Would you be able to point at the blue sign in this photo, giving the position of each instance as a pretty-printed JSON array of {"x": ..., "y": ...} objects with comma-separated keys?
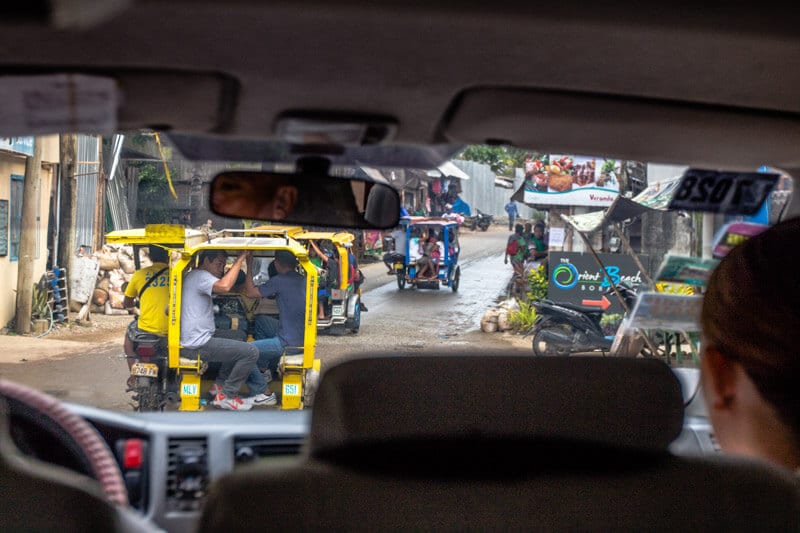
[{"x": 22, "y": 145}]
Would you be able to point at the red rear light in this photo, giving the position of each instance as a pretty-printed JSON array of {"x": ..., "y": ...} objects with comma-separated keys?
[
  {"x": 145, "y": 350},
  {"x": 132, "y": 455}
]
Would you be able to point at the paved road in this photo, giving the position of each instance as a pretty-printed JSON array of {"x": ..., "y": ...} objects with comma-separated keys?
[{"x": 397, "y": 322}]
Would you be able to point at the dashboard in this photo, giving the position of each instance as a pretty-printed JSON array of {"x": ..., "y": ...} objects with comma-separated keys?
[{"x": 168, "y": 460}]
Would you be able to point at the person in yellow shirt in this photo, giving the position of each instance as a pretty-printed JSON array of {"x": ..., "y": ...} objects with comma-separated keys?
[{"x": 150, "y": 286}]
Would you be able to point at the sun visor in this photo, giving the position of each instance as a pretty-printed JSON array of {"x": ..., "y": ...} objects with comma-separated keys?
[
  {"x": 185, "y": 101},
  {"x": 102, "y": 101},
  {"x": 627, "y": 128}
]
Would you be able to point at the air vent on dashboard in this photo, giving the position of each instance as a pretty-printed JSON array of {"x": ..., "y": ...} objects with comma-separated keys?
[
  {"x": 248, "y": 449},
  {"x": 187, "y": 473},
  {"x": 714, "y": 442}
]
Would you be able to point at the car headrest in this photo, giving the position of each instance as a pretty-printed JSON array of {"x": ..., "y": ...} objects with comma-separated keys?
[{"x": 629, "y": 403}]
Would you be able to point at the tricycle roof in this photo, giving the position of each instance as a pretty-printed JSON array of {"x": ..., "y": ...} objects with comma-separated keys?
[
  {"x": 429, "y": 221},
  {"x": 252, "y": 243},
  {"x": 157, "y": 234}
]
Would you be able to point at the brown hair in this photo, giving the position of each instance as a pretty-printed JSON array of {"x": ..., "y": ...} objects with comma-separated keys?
[{"x": 751, "y": 314}]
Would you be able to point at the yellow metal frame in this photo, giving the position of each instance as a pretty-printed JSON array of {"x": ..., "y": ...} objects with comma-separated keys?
[
  {"x": 157, "y": 234},
  {"x": 339, "y": 240},
  {"x": 255, "y": 240}
]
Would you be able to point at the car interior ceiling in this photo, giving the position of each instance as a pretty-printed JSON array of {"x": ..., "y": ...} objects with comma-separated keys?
[
  {"x": 714, "y": 70},
  {"x": 676, "y": 83}
]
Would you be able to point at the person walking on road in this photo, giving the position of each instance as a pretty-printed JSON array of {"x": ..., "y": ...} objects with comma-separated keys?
[
  {"x": 513, "y": 213},
  {"x": 516, "y": 249}
]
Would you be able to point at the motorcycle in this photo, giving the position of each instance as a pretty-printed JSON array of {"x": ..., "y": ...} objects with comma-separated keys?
[
  {"x": 483, "y": 220},
  {"x": 563, "y": 328},
  {"x": 149, "y": 374}
]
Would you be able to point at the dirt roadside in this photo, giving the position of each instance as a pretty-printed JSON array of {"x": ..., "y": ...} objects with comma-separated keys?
[{"x": 105, "y": 332}]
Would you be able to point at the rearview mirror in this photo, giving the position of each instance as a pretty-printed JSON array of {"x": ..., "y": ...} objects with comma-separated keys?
[{"x": 305, "y": 198}]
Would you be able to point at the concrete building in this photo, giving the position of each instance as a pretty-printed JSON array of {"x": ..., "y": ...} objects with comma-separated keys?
[{"x": 14, "y": 152}]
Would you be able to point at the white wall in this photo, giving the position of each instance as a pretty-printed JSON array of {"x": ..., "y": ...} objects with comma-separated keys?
[{"x": 481, "y": 193}]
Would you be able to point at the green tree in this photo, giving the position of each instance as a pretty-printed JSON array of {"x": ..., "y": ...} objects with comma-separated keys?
[
  {"x": 501, "y": 159},
  {"x": 155, "y": 202}
]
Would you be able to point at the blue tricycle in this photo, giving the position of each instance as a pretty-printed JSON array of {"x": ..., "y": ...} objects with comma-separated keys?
[{"x": 430, "y": 257}]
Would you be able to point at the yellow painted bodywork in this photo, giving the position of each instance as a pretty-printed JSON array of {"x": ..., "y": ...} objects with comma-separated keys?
[
  {"x": 339, "y": 240},
  {"x": 157, "y": 234},
  {"x": 260, "y": 242}
]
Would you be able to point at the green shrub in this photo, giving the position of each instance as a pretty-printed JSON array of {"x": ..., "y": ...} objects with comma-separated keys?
[
  {"x": 521, "y": 320},
  {"x": 610, "y": 323},
  {"x": 537, "y": 284}
]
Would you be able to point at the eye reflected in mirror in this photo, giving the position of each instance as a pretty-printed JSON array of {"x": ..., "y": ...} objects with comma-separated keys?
[{"x": 305, "y": 198}]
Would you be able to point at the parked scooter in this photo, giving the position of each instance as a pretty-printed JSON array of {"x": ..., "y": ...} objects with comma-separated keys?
[
  {"x": 483, "y": 220},
  {"x": 480, "y": 220},
  {"x": 563, "y": 328}
]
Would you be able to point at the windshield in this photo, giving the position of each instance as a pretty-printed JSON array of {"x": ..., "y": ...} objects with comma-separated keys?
[{"x": 125, "y": 274}]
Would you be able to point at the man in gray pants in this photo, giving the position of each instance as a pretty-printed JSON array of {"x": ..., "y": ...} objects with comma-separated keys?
[{"x": 197, "y": 327}]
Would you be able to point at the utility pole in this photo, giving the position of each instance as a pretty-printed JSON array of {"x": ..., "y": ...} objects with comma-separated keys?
[
  {"x": 100, "y": 200},
  {"x": 68, "y": 153},
  {"x": 27, "y": 242}
]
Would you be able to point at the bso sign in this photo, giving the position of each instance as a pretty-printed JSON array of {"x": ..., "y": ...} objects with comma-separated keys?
[{"x": 730, "y": 193}]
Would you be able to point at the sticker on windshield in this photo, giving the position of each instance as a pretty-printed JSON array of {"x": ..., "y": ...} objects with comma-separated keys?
[
  {"x": 730, "y": 193},
  {"x": 675, "y": 312},
  {"x": 733, "y": 234},
  {"x": 36, "y": 105},
  {"x": 686, "y": 270}
]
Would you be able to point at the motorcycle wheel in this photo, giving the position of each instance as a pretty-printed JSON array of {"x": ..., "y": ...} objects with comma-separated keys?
[
  {"x": 355, "y": 323},
  {"x": 147, "y": 396},
  {"x": 401, "y": 280},
  {"x": 456, "y": 280},
  {"x": 544, "y": 348},
  {"x": 484, "y": 226}
]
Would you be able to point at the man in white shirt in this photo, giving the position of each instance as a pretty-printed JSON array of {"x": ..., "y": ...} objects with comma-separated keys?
[
  {"x": 397, "y": 255},
  {"x": 198, "y": 328}
]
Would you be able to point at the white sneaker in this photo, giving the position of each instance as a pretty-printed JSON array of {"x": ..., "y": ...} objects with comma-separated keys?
[
  {"x": 231, "y": 404},
  {"x": 262, "y": 399}
]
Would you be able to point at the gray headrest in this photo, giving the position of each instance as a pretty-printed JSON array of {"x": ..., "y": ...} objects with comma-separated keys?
[{"x": 632, "y": 403}]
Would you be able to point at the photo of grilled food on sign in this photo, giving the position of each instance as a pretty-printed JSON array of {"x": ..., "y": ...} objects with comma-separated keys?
[{"x": 560, "y": 174}]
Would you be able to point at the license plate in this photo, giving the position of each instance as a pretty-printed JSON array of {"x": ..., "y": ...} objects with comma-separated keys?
[
  {"x": 398, "y": 266},
  {"x": 337, "y": 310},
  {"x": 146, "y": 370},
  {"x": 337, "y": 294}
]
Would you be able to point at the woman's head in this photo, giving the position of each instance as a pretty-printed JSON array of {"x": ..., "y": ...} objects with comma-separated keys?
[{"x": 750, "y": 316}]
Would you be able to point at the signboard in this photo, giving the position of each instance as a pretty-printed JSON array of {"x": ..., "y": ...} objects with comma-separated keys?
[
  {"x": 730, "y": 193},
  {"x": 655, "y": 310},
  {"x": 686, "y": 270},
  {"x": 576, "y": 278},
  {"x": 732, "y": 234},
  {"x": 571, "y": 180},
  {"x": 22, "y": 145},
  {"x": 3, "y": 228},
  {"x": 556, "y": 237}
]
